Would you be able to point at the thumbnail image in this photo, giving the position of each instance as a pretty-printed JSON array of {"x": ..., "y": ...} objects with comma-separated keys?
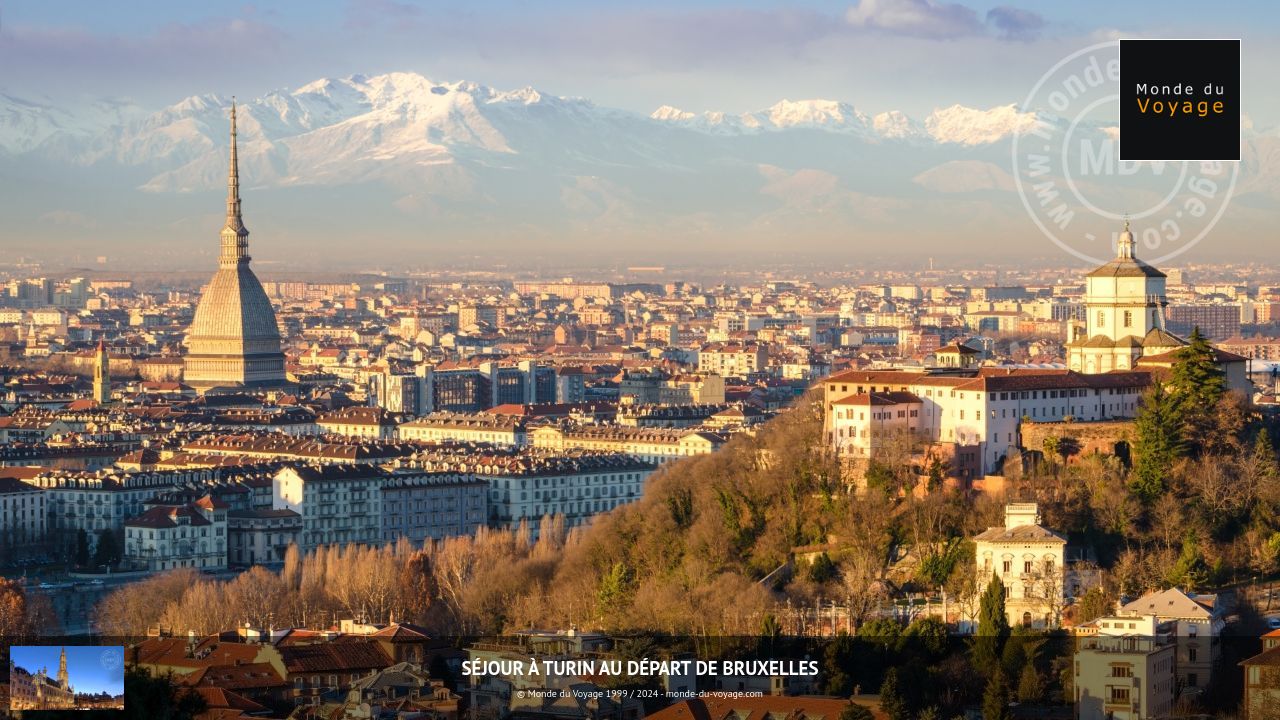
[{"x": 50, "y": 677}]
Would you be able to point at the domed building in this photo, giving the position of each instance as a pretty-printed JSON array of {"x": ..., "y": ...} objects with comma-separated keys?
[
  {"x": 1124, "y": 315},
  {"x": 234, "y": 341}
]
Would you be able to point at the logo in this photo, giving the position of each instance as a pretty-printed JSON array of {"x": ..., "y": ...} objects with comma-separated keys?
[
  {"x": 1071, "y": 180},
  {"x": 111, "y": 658}
]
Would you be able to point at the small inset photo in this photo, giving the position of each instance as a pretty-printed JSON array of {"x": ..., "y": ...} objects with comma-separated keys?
[{"x": 66, "y": 677}]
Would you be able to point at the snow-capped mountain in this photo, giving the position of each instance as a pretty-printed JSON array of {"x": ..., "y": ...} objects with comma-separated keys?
[{"x": 464, "y": 158}]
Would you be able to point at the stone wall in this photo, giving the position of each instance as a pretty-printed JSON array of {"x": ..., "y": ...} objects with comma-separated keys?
[{"x": 1111, "y": 437}]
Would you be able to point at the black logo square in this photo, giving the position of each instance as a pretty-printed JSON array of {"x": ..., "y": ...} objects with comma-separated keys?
[{"x": 1179, "y": 99}]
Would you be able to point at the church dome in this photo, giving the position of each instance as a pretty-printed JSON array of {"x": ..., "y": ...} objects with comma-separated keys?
[
  {"x": 234, "y": 308},
  {"x": 1125, "y": 263}
]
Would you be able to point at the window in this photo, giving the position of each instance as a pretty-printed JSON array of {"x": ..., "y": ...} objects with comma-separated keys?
[
  {"x": 1102, "y": 317},
  {"x": 1008, "y": 565},
  {"x": 1192, "y": 654},
  {"x": 1128, "y": 318},
  {"x": 1122, "y": 671},
  {"x": 1119, "y": 694}
]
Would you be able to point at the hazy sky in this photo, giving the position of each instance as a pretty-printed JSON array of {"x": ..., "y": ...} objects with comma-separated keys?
[{"x": 910, "y": 55}]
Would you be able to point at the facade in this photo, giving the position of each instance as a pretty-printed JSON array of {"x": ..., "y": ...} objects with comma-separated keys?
[
  {"x": 506, "y": 430},
  {"x": 359, "y": 422},
  {"x": 190, "y": 535},
  {"x": 260, "y": 535},
  {"x": 1029, "y": 560},
  {"x": 38, "y": 691},
  {"x": 23, "y": 514},
  {"x": 733, "y": 359},
  {"x": 339, "y": 504},
  {"x": 234, "y": 340},
  {"x": 1262, "y": 680},
  {"x": 1197, "y": 623},
  {"x": 1124, "y": 314},
  {"x": 976, "y": 414},
  {"x": 1125, "y": 671},
  {"x": 576, "y": 487},
  {"x": 423, "y": 506},
  {"x": 649, "y": 444}
]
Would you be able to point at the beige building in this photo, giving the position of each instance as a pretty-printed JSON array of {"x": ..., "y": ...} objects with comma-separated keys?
[
  {"x": 1197, "y": 622},
  {"x": 1029, "y": 560},
  {"x": 508, "y": 430},
  {"x": 1124, "y": 314},
  {"x": 192, "y": 535},
  {"x": 1262, "y": 680},
  {"x": 1125, "y": 671},
  {"x": 649, "y": 444}
]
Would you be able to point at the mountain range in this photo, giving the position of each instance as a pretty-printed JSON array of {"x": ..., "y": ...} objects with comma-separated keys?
[{"x": 413, "y": 165}]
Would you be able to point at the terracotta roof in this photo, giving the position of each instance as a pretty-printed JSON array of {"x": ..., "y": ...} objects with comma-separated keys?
[{"x": 327, "y": 657}]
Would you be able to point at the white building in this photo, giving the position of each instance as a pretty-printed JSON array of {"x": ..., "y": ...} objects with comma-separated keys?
[
  {"x": 732, "y": 359},
  {"x": 655, "y": 445},
  {"x": 1125, "y": 671},
  {"x": 172, "y": 536},
  {"x": 975, "y": 413},
  {"x": 23, "y": 516},
  {"x": 1028, "y": 559},
  {"x": 507, "y": 430},
  {"x": 578, "y": 486},
  {"x": 1196, "y": 621},
  {"x": 339, "y": 504},
  {"x": 423, "y": 506}
]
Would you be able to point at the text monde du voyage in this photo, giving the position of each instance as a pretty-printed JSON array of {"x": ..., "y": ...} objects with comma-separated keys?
[
  {"x": 637, "y": 668},
  {"x": 1179, "y": 99}
]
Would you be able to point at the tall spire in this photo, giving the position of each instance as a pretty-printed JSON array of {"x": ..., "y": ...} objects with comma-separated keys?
[{"x": 235, "y": 236}]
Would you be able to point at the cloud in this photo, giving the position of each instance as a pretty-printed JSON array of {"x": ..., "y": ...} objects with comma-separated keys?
[
  {"x": 1013, "y": 23},
  {"x": 917, "y": 18}
]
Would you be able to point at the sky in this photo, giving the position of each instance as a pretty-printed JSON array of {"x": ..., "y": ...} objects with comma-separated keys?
[
  {"x": 909, "y": 55},
  {"x": 913, "y": 56},
  {"x": 86, "y": 670}
]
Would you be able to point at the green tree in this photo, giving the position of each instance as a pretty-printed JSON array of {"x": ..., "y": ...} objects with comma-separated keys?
[
  {"x": 993, "y": 626},
  {"x": 1095, "y": 603},
  {"x": 82, "y": 548},
  {"x": 108, "y": 551},
  {"x": 1030, "y": 687},
  {"x": 1051, "y": 448},
  {"x": 995, "y": 699},
  {"x": 1190, "y": 571},
  {"x": 615, "y": 588},
  {"x": 893, "y": 699},
  {"x": 854, "y": 711},
  {"x": 1198, "y": 384},
  {"x": 1159, "y": 427},
  {"x": 822, "y": 570}
]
